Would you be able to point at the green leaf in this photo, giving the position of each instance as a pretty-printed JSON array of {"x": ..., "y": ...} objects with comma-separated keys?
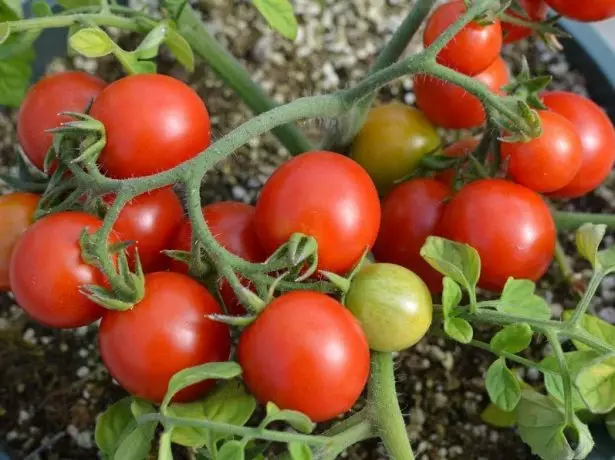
[
  {"x": 280, "y": 16},
  {"x": 518, "y": 298},
  {"x": 502, "y": 385},
  {"x": 609, "y": 422},
  {"x": 180, "y": 48},
  {"x": 581, "y": 437},
  {"x": 11, "y": 10},
  {"x": 458, "y": 329},
  {"x": 92, "y": 43},
  {"x": 595, "y": 326},
  {"x": 164, "y": 449},
  {"x": 15, "y": 74},
  {"x": 451, "y": 296},
  {"x": 513, "y": 338},
  {"x": 5, "y": 32},
  {"x": 596, "y": 383},
  {"x": 458, "y": 261},
  {"x": 494, "y": 416},
  {"x": 231, "y": 450},
  {"x": 297, "y": 420},
  {"x": 141, "y": 407},
  {"x": 137, "y": 443},
  {"x": 70, "y": 4},
  {"x": 299, "y": 451},
  {"x": 148, "y": 48},
  {"x": 111, "y": 424},
  {"x": 41, "y": 8},
  {"x": 196, "y": 374},
  {"x": 607, "y": 260},
  {"x": 588, "y": 238}
]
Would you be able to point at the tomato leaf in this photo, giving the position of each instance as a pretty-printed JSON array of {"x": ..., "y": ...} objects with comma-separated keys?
[
  {"x": 299, "y": 451},
  {"x": 148, "y": 48},
  {"x": 595, "y": 326},
  {"x": 576, "y": 360},
  {"x": 458, "y": 329},
  {"x": 180, "y": 48},
  {"x": 92, "y": 43},
  {"x": 495, "y": 416},
  {"x": 41, "y": 8},
  {"x": 15, "y": 74},
  {"x": 231, "y": 450},
  {"x": 164, "y": 449},
  {"x": 596, "y": 383},
  {"x": 5, "y": 32},
  {"x": 513, "y": 338},
  {"x": 137, "y": 443},
  {"x": 588, "y": 238},
  {"x": 297, "y": 420},
  {"x": 502, "y": 385},
  {"x": 518, "y": 298},
  {"x": 110, "y": 425},
  {"x": 451, "y": 296},
  {"x": 70, "y": 4},
  {"x": 609, "y": 422},
  {"x": 280, "y": 16},
  {"x": 11, "y": 10},
  {"x": 459, "y": 262}
]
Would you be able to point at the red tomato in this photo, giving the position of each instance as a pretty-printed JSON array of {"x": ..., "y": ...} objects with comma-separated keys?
[
  {"x": 549, "y": 161},
  {"x": 305, "y": 352},
  {"x": 61, "y": 92},
  {"x": 153, "y": 123},
  {"x": 461, "y": 149},
  {"x": 597, "y": 138},
  {"x": 169, "y": 330},
  {"x": 150, "y": 220},
  {"x": 533, "y": 10},
  {"x": 586, "y": 10},
  {"x": 47, "y": 271},
  {"x": 509, "y": 225},
  {"x": 409, "y": 215},
  {"x": 327, "y": 196},
  {"x": 16, "y": 214},
  {"x": 450, "y": 106},
  {"x": 473, "y": 49}
]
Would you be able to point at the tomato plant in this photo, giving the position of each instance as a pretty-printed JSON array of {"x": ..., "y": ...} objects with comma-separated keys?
[
  {"x": 590, "y": 10},
  {"x": 532, "y": 10},
  {"x": 459, "y": 149}
]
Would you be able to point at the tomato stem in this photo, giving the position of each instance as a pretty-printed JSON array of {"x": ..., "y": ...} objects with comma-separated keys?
[
  {"x": 589, "y": 294},
  {"x": 572, "y": 220},
  {"x": 512, "y": 357},
  {"x": 553, "y": 338}
]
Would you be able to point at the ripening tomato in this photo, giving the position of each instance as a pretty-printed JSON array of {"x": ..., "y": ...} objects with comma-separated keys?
[
  {"x": 509, "y": 225},
  {"x": 392, "y": 142},
  {"x": 47, "y": 271},
  {"x": 586, "y": 10},
  {"x": 327, "y": 196},
  {"x": 61, "y": 92},
  {"x": 473, "y": 49},
  {"x": 305, "y": 352},
  {"x": 410, "y": 214},
  {"x": 459, "y": 149},
  {"x": 531, "y": 10},
  {"x": 16, "y": 215},
  {"x": 168, "y": 331},
  {"x": 450, "y": 106},
  {"x": 392, "y": 304},
  {"x": 153, "y": 123},
  {"x": 547, "y": 162},
  {"x": 597, "y": 138},
  {"x": 150, "y": 220}
]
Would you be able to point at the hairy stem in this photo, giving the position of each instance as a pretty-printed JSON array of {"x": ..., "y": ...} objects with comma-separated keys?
[
  {"x": 553, "y": 338},
  {"x": 344, "y": 439},
  {"x": 573, "y": 220},
  {"x": 588, "y": 295},
  {"x": 512, "y": 357}
]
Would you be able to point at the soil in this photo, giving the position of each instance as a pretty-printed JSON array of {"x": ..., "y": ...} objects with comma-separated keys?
[{"x": 53, "y": 384}]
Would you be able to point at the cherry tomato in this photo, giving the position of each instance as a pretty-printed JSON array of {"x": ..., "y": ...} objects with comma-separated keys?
[
  {"x": 409, "y": 215},
  {"x": 509, "y": 225},
  {"x": 327, "y": 196},
  {"x": 549, "y": 161},
  {"x": 305, "y": 352},
  {"x": 473, "y": 49},
  {"x": 168, "y": 331},
  {"x": 47, "y": 271},
  {"x": 532, "y": 10},
  {"x": 392, "y": 142},
  {"x": 16, "y": 214},
  {"x": 597, "y": 138},
  {"x": 461, "y": 149},
  {"x": 586, "y": 11},
  {"x": 150, "y": 220},
  {"x": 153, "y": 123},
  {"x": 61, "y": 92},
  {"x": 392, "y": 304},
  {"x": 450, "y": 106}
]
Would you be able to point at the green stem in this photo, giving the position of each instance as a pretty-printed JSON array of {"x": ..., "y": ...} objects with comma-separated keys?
[
  {"x": 573, "y": 220},
  {"x": 562, "y": 261},
  {"x": 512, "y": 357},
  {"x": 588, "y": 295},
  {"x": 341, "y": 441},
  {"x": 552, "y": 336},
  {"x": 60, "y": 21},
  {"x": 348, "y": 423},
  {"x": 478, "y": 166}
]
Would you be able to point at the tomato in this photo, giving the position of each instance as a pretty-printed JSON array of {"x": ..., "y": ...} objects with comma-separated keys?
[
  {"x": 392, "y": 304},
  {"x": 461, "y": 149},
  {"x": 150, "y": 220},
  {"x": 61, "y": 92},
  {"x": 327, "y": 196},
  {"x": 392, "y": 142},
  {"x": 153, "y": 123},
  {"x": 450, "y": 106},
  {"x": 16, "y": 215},
  {"x": 232, "y": 223},
  {"x": 46, "y": 271},
  {"x": 473, "y": 49},
  {"x": 410, "y": 214},
  {"x": 509, "y": 225},
  {"x": 597, "y": 138},
  {"x": 586, "y": 11},
  {"x": 305, "y": 352},
  {"x": 549, "y": 161},
  {"x": 532, "y": 10}
]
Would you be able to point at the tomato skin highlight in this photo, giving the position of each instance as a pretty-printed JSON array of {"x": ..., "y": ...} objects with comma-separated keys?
[
  {"x": 450, "y": 106},
  {"x": 410, "y": 214},
  {"x": 586, "y": 11},
  {"x": 143, "y": 139},
  {"x": 327, "y": 196},
  {"x": 549, "y": 161},
  {"x": 460, "y": 149},
  {"x": 597, "y": 139},
  {"x": 164, "y": 333},
  {"x": 509, "y": 225},
  {"x": 47, "y": 271},
  {"x": 305, "y": 352},
  {"x": 39, "y": 111},
  {"x": 473, "y": 48},
  {"x": 392, "y": 304},
  {"x": 533, "y": 10}
]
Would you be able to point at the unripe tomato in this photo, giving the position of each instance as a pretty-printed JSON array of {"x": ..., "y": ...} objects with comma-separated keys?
[
  {"x": 460, "y": 149},
  {"x": 392, "y": 142},
  {"x": 533, "y": 10},
  {"x": 305, "y": 352},
  {"x": 586, "y": 10},
  {"x": 392, "y": 304}
]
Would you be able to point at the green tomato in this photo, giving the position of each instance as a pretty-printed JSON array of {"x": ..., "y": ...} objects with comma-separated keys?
[
  {"x": 392, "y": 304},
  {"x": 392, "y": 142}
]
